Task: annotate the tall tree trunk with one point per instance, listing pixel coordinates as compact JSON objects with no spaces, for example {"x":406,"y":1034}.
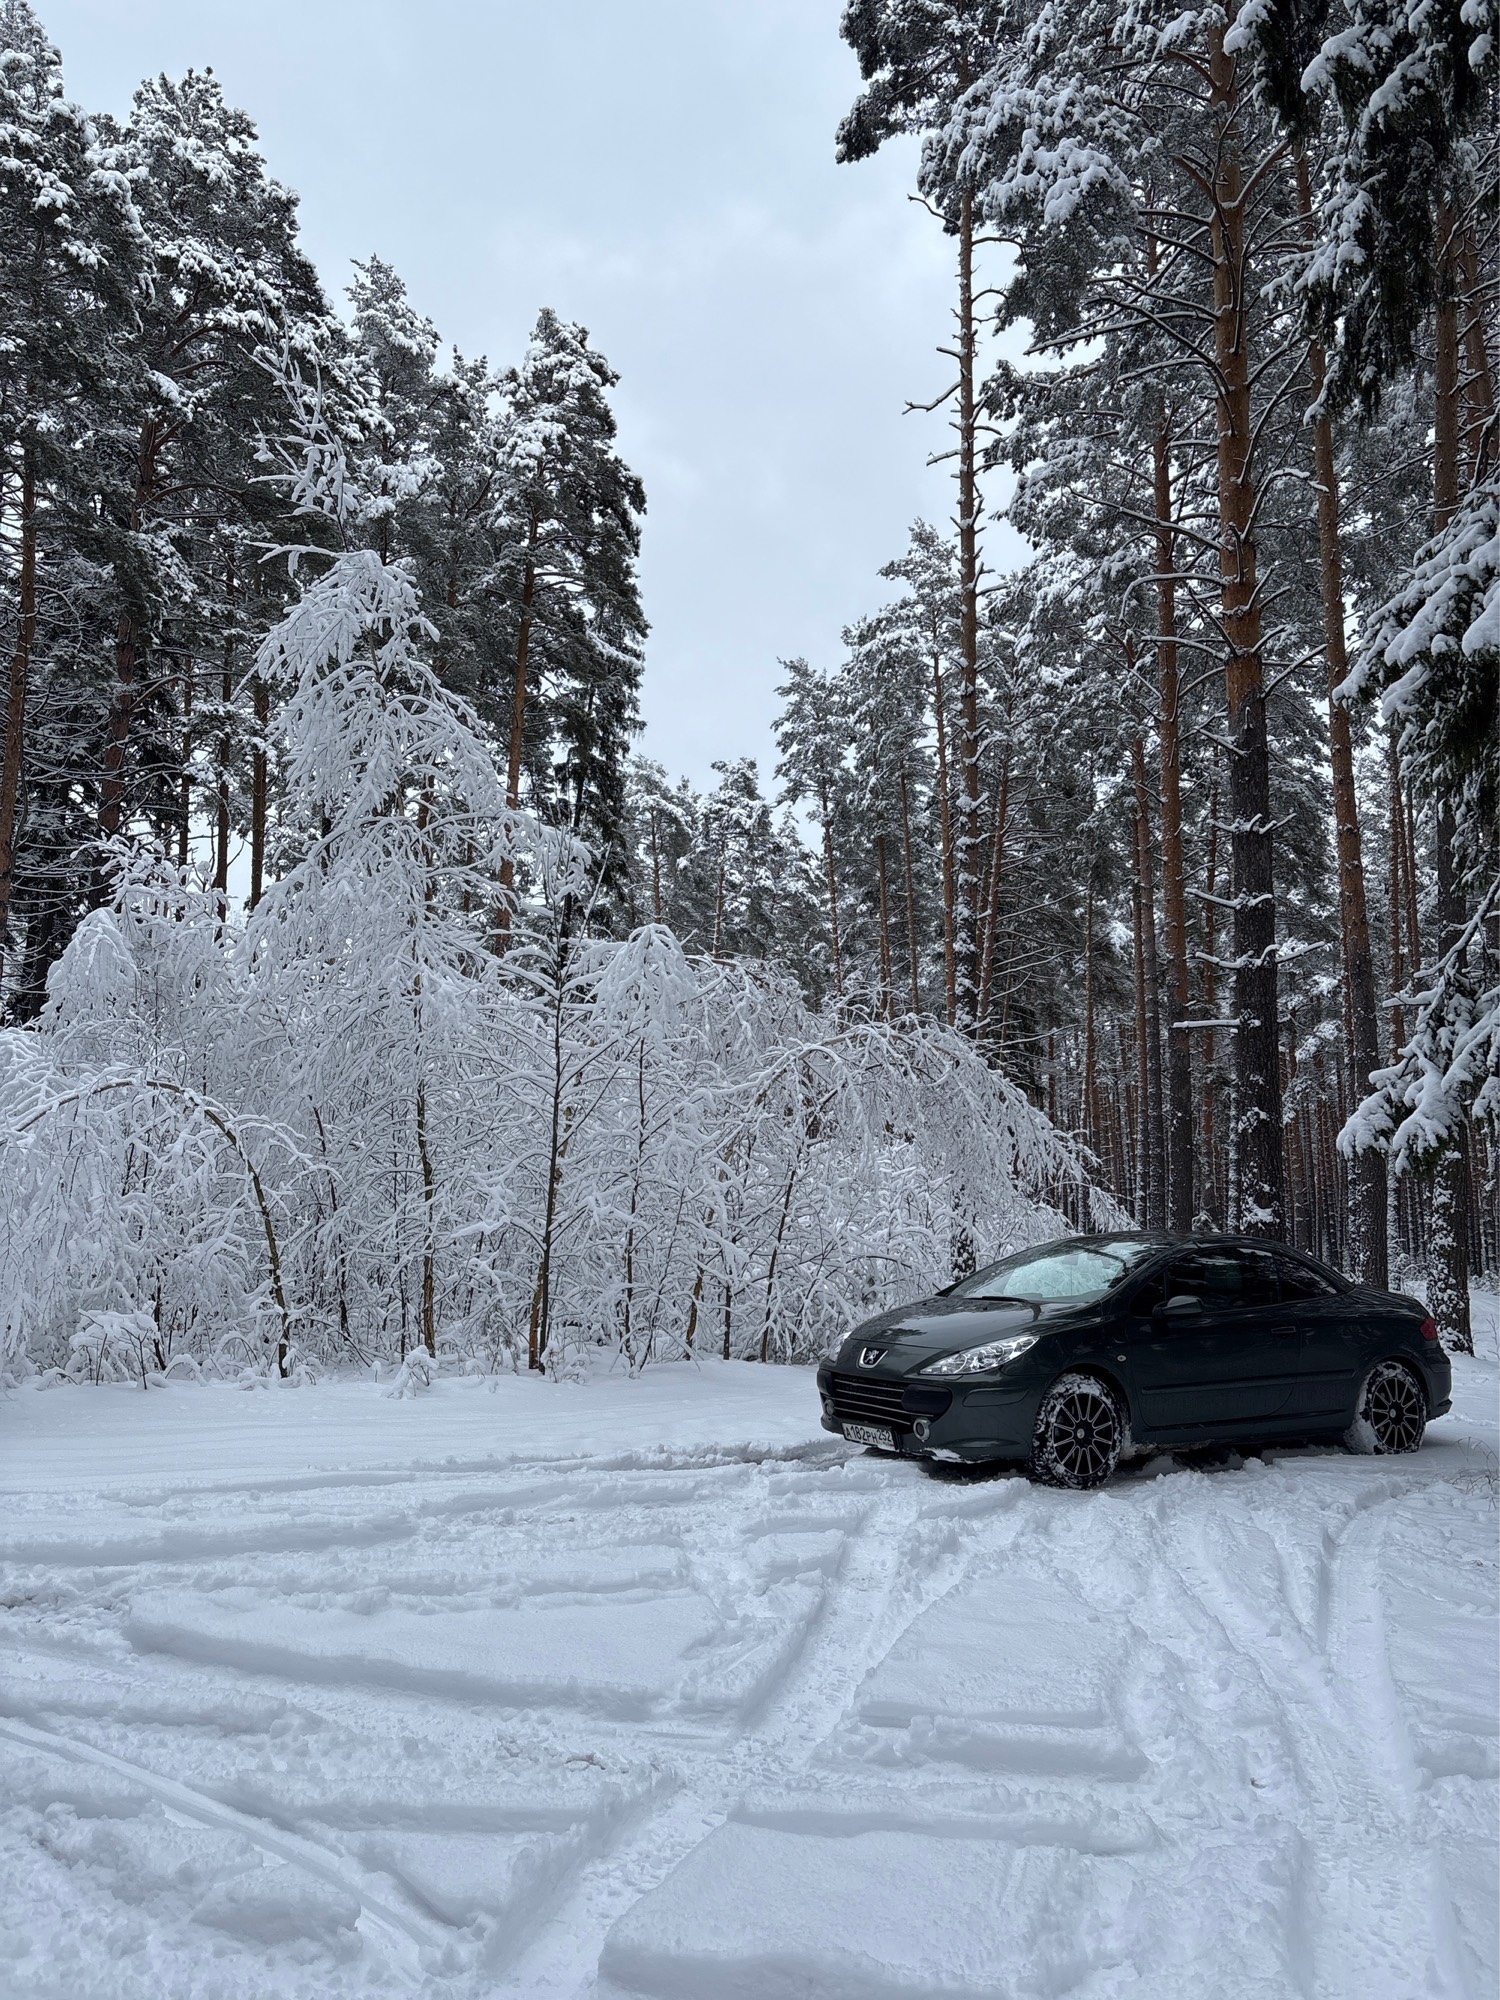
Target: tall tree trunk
{"x":655,"y":868}
{"x":1141,"y":1202}
{"x":1416,"y":957}
{"x":424,"y":1146}
{"x":1179,"y":1105}
{"x":226,"y":691}
{"x":1479,"y":380}
{"x":259,"y":791}
{"x":1299,"y":1184}
{"x":967,"y":969}
{"x":882,"y":872}
{"x":1367,"y":1219}
{"x":911,"y":895}
{"x":1153,"y":1124}
{"x":429,"y":1233}
{"x":1448,"y":1240}
{"x":1257,"y":1141}
{"x":1090,"y":1119}
{"x":127,"y":669}
{"x":945,"y":829}
{"x":185,"y":680}
{"x":1213,"y":1202}
{"x":540,"y":1327}
{"x":1396,"y":891}
{"x":1052,"y":1076}
{"x":831,"y":871}
{"x":12,"y":756}
{"x":517,"y":741}
{"x":117,"y":739}
{"x":992,"y":900}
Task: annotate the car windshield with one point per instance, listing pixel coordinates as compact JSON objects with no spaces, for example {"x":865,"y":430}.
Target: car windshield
{"x":1056,"y":1271}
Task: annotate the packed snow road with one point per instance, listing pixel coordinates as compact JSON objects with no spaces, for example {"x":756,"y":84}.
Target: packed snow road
{"x":654,"y":1689}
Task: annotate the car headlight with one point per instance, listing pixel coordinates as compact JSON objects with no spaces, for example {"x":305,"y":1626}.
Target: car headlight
{"x":982,"y":1360}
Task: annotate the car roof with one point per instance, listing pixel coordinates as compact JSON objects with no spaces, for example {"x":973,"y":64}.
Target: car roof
{"x":1170,"y":1241}
{"x":1165,"y":1239}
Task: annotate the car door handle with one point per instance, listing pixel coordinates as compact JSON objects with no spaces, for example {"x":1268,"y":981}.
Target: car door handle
{"x":1289,"y":1332}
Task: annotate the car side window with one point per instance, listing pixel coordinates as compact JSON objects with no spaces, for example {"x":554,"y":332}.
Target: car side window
{"x":1258,"y":1284}
{"x":1209,"y":1275}
{"x":1301,"y":1281}
{"x":1225,"y":1279}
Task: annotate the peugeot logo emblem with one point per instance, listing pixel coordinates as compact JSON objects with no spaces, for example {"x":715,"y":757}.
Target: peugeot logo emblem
{"x":868,"y":1356}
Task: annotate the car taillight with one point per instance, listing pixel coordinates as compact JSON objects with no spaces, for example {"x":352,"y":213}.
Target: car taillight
{"x":1429,"y":1329}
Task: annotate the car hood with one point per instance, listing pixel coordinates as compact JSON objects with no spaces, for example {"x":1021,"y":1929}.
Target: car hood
{"x":941,"y":1326}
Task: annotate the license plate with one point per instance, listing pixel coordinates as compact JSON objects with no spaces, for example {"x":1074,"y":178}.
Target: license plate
{"x":874,"y":1434}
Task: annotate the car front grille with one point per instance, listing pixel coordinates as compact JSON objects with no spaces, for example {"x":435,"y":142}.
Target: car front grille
{"x":864,"y":1399}
{"x":857,"y":1399}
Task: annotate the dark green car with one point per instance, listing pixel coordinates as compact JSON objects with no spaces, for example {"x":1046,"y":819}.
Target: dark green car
{"x":1071,"y":1355}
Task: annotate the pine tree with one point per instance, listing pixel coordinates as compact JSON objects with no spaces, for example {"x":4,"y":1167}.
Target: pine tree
{"x":1394,"y":96}
{"x":68,"y":256}
{"x":918,"y":58}
{"x":568,"y":516}
{"x":886,"y":700}
{"x":810,"y":738}
{"x":1156,"y":142}
{"x":225,"y":287}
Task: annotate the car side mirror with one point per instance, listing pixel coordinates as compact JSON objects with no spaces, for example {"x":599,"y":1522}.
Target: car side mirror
{"x":1178,"y":1307}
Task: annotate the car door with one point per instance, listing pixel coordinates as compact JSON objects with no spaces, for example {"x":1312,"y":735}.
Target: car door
{"x":1328,"y":1330}
{"x":1233,"y":1361}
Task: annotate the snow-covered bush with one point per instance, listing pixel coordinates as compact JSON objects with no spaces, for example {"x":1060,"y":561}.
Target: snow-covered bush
{"x":325,"y":1135}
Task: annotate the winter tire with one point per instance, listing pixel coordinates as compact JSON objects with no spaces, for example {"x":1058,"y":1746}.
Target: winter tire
{"x":1392,"y":1411}
{"x":1080,"y":1432}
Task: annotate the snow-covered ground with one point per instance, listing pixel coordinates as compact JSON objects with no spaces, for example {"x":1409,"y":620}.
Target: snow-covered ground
{"x":652,"y":1688}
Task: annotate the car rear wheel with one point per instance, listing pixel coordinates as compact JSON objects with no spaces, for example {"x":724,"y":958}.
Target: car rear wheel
{"x":1080,"y":1431}
{"x":1392,"y":1411}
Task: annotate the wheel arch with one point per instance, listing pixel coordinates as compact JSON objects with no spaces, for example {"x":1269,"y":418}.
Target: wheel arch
{"x":1100,"y":1372}
{"x":1400,"y":1359}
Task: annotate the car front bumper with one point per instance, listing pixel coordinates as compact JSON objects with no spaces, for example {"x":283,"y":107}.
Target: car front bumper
{"x":975,"y":1421}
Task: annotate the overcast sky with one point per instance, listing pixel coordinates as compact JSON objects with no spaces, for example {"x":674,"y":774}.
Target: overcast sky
{"x":663,"y":171}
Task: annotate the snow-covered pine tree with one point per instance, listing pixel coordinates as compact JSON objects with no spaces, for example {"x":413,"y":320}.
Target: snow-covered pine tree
{"x":69,"y":248}
{"x":925,"y":621}
{"x":918,"y":59}
{"x":225,"y":284}
{"x":1092,"y":138}
{"x":1402,"y":103}
{"x":811,"y":738}
{"x":886,"y":698}
{"x":398,"y":348}
{"x":567,"y":514}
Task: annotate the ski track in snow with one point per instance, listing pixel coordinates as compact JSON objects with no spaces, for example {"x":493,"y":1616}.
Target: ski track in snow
{"x":706,"y":1719}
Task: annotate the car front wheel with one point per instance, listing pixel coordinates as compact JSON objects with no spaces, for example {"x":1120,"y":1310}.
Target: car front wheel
{"x":1080,"y":1431}
{"x":1392,"y":1411}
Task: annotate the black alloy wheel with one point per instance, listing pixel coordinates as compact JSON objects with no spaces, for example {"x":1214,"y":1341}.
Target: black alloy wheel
{"x":1080,"y":1432}
{"x":1392,"y":1411}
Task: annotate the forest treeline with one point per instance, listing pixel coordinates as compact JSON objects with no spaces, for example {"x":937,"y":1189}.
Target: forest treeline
{"x":365,"y":989}
{"x":1190,"y":820}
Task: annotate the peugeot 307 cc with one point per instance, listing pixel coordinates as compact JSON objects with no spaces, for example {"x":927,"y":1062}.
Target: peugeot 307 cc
{"x":1069,"y":1356}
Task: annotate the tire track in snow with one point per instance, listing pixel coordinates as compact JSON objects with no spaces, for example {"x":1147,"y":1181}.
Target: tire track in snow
{"x":1374,"y":1924}
{"x":866,"y":1607}
{"x":1280,"y":1626}
{"x":816,"y":1453}
{"x":1256,"y":1699}
{"x":404,"y":1937}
